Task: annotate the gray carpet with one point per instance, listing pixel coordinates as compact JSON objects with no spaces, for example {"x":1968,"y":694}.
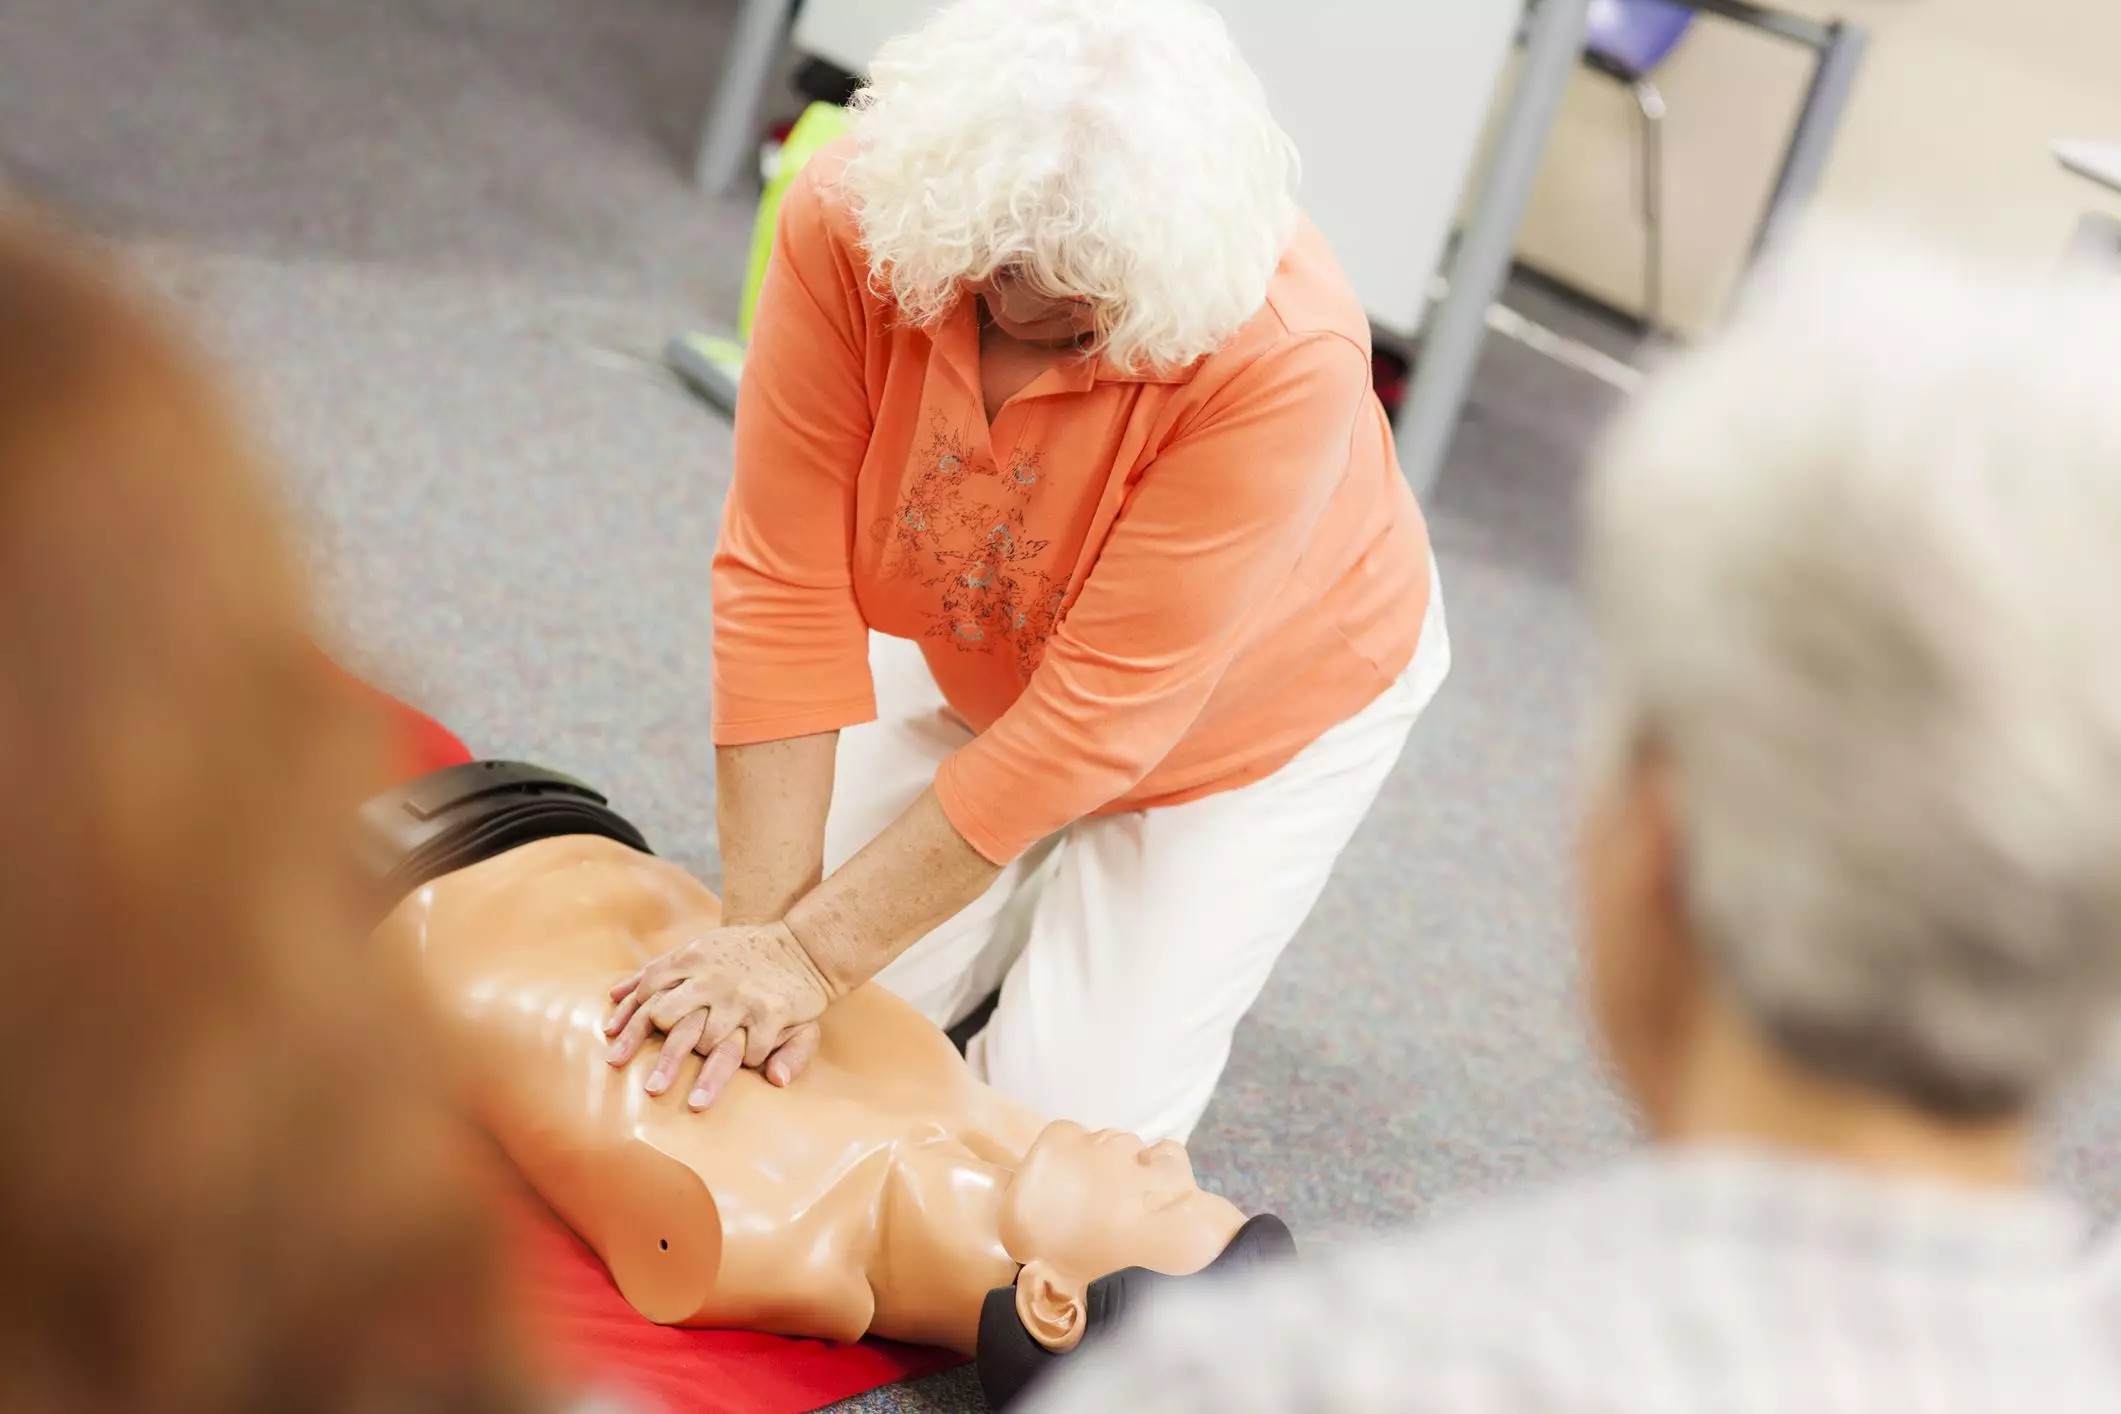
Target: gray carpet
{"x":437,"y":243}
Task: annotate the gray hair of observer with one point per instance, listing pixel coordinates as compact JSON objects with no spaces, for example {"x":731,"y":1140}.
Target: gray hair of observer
{"x":1854,"y":573}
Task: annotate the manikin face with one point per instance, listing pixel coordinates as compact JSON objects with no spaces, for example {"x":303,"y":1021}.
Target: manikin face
{"x":1022,"y":312}
{"x":1085,"y":1204}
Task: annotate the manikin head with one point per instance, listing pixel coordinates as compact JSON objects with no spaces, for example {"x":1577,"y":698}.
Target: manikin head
{"x":1854,"y":839}
{"x":1085,"y":1204}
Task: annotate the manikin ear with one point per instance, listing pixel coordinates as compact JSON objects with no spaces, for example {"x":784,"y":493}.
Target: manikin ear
{"x":1050,"y":1307}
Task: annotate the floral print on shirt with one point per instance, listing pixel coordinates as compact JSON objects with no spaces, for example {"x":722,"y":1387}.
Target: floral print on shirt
{"x":958,"y":530}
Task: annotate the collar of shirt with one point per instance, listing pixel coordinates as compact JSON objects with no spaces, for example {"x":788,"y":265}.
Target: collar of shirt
{"x":1763,"y":1197}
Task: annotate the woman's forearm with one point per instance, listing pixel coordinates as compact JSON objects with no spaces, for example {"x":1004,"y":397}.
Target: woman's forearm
{"x":770,"y":805}
{"x":917,"y":873}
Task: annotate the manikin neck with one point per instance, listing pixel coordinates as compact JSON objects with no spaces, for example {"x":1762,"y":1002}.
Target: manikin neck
{"x":934,"y":1238}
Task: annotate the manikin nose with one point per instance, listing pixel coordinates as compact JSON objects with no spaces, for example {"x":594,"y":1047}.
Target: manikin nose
{"x":1164,"y":1151}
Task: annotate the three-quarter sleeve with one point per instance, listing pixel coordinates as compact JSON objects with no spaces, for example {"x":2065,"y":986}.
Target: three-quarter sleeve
{"x":790,"y":645}
{"x":1211,"y":532}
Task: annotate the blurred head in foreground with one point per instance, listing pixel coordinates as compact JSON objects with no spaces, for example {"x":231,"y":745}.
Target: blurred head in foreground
{"x":1852,"y":862}
{"x":222,"y":1188}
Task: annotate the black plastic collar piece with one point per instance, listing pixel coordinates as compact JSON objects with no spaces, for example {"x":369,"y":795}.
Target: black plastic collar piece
{"x":1009,"y":1361}
{"x":456,"y":817}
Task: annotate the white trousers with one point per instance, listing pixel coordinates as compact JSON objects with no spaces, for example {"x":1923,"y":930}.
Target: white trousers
{"x":1126,"y":946}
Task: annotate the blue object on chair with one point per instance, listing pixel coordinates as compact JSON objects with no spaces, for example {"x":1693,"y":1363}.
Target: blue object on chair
{"x":1625,"y":40}
{"x":1628,"y":38}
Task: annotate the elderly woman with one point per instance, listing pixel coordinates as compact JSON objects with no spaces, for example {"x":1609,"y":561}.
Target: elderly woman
{"x":1058,"y":466}
{"x":1852,"y":876}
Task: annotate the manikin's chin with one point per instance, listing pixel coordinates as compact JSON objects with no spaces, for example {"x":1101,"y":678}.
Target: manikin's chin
{"x":1103,"y":1217}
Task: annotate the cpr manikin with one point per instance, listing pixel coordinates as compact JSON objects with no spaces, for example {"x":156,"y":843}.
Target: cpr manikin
{"x":884,"y":1192}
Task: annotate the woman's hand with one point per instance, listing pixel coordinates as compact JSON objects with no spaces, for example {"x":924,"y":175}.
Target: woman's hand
{"x":746,"y":995}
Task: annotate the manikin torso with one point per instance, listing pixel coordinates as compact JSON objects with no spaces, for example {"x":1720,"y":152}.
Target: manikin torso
{"x":870,"y":1196}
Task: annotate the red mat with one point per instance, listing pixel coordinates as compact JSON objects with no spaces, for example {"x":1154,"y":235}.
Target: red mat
{"x":594,"y":1341}
{"x":583,"y":1329}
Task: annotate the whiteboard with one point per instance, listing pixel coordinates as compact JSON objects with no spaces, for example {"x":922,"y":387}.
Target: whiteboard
{"x":1385,"y":99}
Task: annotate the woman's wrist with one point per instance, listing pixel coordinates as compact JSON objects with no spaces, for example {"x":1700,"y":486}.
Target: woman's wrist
{"x":743,"y":907}
{"x":915,"y":875}
{"x":844,"y":953}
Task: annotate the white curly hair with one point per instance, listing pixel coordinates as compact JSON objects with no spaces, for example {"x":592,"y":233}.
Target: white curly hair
{"x":1855,"y":566}
{"x":1119,"y":151}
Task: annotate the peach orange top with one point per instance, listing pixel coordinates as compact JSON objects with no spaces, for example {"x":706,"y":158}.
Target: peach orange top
{"x":1136,"y":588}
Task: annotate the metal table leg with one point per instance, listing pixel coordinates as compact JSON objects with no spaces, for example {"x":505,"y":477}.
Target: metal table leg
{"x":730,"y":139}
{"x":1450,"y":347}
{"x":1818,"y":123}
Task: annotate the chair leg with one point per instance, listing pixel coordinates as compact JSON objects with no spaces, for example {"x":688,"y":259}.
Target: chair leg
{"x":1651,"y":104}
